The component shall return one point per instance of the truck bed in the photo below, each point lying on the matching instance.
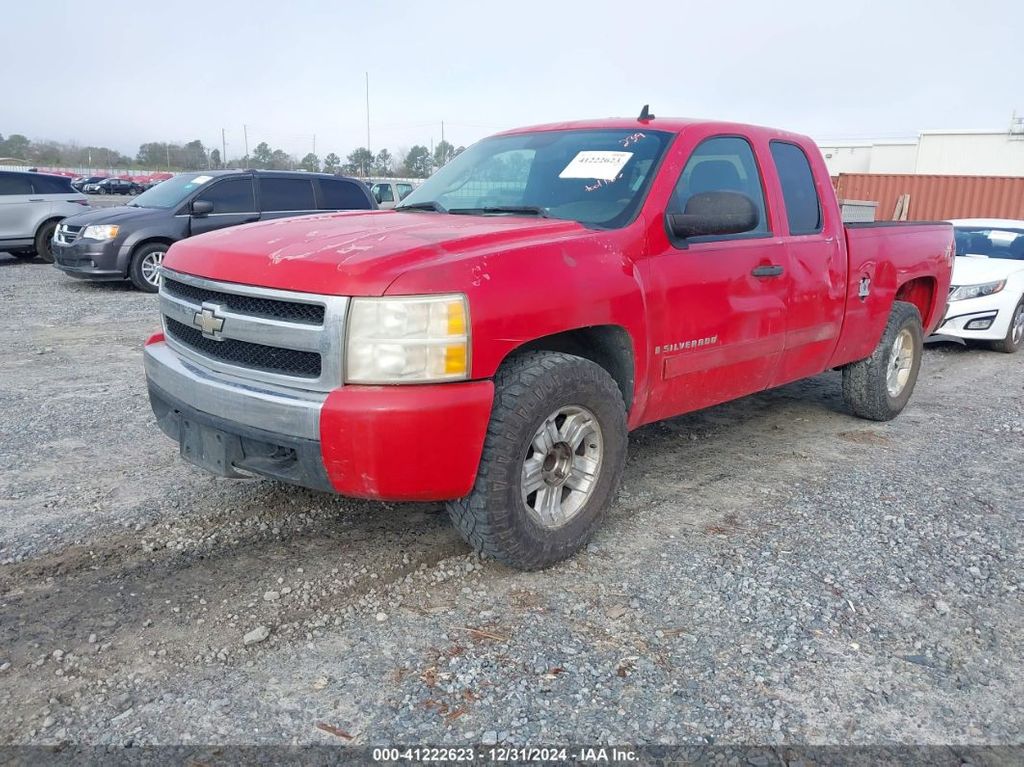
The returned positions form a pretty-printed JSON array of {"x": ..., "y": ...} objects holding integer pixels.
[{"x": 901, "y": 260}]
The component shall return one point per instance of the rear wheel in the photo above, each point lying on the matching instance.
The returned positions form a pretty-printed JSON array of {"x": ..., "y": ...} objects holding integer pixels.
[
  {"x": 144, "y": 271},
  {"x": 879, "y": 387},
  {"x": 1014, "y": 334},
  {"x": 44, "y": 241},
  {"x": 551, "y": 463}
]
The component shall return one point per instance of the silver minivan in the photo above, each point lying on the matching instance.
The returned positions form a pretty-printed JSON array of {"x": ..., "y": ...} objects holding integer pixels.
[{"x": 31, "y": 206}]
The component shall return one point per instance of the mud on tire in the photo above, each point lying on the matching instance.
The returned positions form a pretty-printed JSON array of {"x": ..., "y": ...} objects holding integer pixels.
[
  {"x": 869, "y": 386},
  {"x": 530, "y": 388}
]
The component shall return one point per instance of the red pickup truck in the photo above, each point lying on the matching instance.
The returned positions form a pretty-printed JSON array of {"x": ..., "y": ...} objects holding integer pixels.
[{"x": 492, "y": 340}]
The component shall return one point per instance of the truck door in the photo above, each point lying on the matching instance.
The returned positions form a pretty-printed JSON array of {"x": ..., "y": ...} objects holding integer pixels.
[
  {"x": 818, "y": 268},
  {"x": 233, "y": 203},
  {"x": 717, "y": 313}
]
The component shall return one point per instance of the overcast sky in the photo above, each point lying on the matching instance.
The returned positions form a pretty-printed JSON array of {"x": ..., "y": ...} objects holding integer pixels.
[{"x": 120, "y": 73}]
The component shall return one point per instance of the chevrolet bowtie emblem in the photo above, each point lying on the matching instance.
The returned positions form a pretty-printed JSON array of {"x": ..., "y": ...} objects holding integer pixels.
[{"x": 209, "y": 321}]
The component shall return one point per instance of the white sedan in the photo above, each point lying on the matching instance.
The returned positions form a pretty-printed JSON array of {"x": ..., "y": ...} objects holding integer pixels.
[{"x": 986, "y": 298}]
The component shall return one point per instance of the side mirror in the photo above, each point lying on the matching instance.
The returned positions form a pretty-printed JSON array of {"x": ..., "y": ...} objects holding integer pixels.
[
  {"x": 714, "y": 213},
  {"x": 201, "y": 208}
]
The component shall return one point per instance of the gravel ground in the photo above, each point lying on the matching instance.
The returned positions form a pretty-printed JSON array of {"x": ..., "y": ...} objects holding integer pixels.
[{"x": 774, "y": 571}]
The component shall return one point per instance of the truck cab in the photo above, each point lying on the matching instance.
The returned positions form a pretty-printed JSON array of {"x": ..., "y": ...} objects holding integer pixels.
[{"x": 492, "y": 340}]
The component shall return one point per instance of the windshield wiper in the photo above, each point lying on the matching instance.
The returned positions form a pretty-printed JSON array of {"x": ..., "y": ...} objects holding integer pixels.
[
  {"x": 432, "y": 205},
  {"x": 530, "y": 210}
]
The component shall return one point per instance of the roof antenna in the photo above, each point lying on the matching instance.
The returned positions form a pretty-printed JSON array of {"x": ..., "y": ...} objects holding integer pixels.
[{"x": 645, "y": 114}]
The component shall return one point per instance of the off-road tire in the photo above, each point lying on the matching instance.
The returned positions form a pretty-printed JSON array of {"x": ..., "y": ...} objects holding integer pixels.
[
  {"x": 865, "y": 387},
  {"x": 530, "y": 386},
  {"x": 1007, "y": 345},
  {"x": 135, "y": 268},
  {"x": 43, "y": 239}
]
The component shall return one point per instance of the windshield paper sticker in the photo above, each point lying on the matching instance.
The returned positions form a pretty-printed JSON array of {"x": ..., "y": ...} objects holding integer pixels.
[
  {"x": 605, "y": 166},
  {"x": 201, "y": 180}
]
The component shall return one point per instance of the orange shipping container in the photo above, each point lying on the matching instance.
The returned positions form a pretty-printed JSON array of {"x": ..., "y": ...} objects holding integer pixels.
[{"x": 936, "y": 198}]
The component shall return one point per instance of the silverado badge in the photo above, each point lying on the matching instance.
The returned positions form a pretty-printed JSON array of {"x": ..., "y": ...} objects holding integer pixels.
[{"x": 209, "y": 321}]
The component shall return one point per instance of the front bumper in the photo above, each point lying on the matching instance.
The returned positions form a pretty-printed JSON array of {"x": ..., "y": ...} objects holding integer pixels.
[
  {"x": 398, "y": 443},
  {"x": 965, "y": 319},
  {"x": 88, "y": 259}
]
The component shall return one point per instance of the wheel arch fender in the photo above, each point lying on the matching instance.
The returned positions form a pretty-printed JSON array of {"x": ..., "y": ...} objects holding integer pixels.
[
  {"x": 137, "y": 240},
  {"x": 610, "y": 346}
]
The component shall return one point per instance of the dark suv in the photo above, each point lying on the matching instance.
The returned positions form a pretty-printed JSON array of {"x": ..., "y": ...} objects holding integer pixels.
[{"x": 129, "y": 242}]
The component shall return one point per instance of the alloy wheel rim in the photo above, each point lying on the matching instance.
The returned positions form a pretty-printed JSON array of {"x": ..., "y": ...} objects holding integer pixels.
[
  {"x": 1017, "y": 334},
  {"x": 562, "y": 466},
  {"x": 151, "y": 267},
  {"x": 901, "y": 360}
]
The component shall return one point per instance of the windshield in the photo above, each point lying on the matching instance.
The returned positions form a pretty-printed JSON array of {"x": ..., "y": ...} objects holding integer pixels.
[
  {"x": 990, "y": 242},
  {"x": 171, "y": 192},
  {"x": 596, "y": 177}
]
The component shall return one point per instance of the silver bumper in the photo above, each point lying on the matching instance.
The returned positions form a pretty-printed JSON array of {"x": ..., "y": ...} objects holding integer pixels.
[{"x": 291, "y": 413}]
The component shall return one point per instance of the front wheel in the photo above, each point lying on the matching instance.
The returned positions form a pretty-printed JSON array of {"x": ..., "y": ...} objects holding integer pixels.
[
  {"x": 1014, "y": 334},
  {"x": 879, "y": 387},
  {"x": 552, "y": 461},
  {"x": 144, "y": 271},
  {"x": 44, "y": 241}
]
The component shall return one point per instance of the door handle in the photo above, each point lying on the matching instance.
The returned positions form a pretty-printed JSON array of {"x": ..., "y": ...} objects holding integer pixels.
[
  {"x": 36, "y": 199},
  {"x": 768, "y": 270}
]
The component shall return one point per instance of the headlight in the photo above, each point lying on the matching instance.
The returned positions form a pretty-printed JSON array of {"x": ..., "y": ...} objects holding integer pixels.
[
  {"x": 411, "y": 339},
  {"x": 101, "y": 232},
  {"x": 976, "y": 291}
]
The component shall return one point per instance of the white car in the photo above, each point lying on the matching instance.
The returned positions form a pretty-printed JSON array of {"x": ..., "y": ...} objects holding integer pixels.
[{"x": 986, "y": 297}]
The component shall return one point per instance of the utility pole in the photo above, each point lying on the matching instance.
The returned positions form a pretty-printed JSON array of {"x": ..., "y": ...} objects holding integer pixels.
[
  {"x": 314, "y": 143},
  {"x": 167, "y": 148},
  {"x": 223, "y": 149},
  {"x": 366, "y": 171},
  {"x": 245, "y": 135}
]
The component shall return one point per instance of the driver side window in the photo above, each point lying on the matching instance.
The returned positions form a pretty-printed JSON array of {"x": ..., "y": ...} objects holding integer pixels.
[{"x": 722, "y": 164}]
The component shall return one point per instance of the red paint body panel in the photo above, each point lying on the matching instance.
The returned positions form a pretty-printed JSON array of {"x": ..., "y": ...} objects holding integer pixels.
[
  {"x": 405, "y": 443},
  {"x": 703, "y": 328}
]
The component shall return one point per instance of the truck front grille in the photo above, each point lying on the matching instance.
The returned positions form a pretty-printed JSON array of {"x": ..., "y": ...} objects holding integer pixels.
[
  {"x": 312, "y": 314},
  {"x": 271, "y": 359},
  {"x": 275, "y": 336}
]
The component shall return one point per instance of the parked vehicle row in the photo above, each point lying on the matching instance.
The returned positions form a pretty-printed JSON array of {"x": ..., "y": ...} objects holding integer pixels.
[
  {"x": 491, "y": 341},
  {"x": 113, "y": 185},
  {"x": 546, "y": 292},
  {"x": 129, "y": 242}
]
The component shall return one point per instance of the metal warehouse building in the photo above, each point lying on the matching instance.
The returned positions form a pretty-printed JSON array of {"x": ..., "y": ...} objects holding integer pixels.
[
  {"x": 933, "y": 152},
  {"x": 941, "y": 174}
]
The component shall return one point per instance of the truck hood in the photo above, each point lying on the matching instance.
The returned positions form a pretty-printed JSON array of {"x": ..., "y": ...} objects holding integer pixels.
[
  {"x": 358, "y": 253},
  {"x": 118, "y": 215},
  {"x": 974, "y": 270}
]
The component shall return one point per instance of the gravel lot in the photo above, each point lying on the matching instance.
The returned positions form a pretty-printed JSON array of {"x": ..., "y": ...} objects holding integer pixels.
[{"x": 775, "y": 571}]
